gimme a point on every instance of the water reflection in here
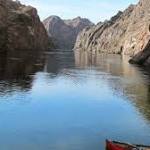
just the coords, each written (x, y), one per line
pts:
(16, 70)
(56, 61)
(72, 101)
(126, 80)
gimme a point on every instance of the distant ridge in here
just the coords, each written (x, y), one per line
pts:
(64, 32)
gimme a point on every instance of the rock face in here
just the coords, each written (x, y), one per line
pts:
(3, 14)
(127, 33)
(64, 32)
(20, 27)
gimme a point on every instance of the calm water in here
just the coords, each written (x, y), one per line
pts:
(72, 102)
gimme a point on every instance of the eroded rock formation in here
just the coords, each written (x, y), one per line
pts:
(20, 27)
(127, 33)
(64, 32)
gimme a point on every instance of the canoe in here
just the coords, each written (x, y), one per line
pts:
(114, 145)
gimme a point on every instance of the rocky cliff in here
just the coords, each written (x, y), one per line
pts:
(20, 27)
(127, 33)
(64, 32)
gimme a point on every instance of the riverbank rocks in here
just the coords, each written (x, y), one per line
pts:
(127, 33)
(64, 32)
(21, 28)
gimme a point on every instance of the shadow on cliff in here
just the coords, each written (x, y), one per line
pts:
(143, 57)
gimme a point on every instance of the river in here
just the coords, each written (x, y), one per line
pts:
(70, 101)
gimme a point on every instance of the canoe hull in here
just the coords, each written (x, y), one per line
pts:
(115, 145)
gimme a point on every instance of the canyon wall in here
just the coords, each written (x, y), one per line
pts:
(127, 33)
(21, 28)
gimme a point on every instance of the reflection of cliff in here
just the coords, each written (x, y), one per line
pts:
(59, 60)
(124, 80)
(142, 98)
(114, 64)
(15, 72)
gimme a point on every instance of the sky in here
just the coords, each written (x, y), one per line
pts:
(95, 10)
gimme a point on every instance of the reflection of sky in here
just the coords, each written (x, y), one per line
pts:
(95, 10)
(73, 111)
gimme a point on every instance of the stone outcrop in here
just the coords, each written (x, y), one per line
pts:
(127, 33)
(20, 27)
(64, 32)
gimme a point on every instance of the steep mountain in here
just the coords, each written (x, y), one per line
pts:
(20, 28)
(127, 33)
(64, 32)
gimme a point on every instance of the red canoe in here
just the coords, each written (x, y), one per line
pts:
(114, 145)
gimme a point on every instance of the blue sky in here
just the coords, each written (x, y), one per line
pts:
(95, 10)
